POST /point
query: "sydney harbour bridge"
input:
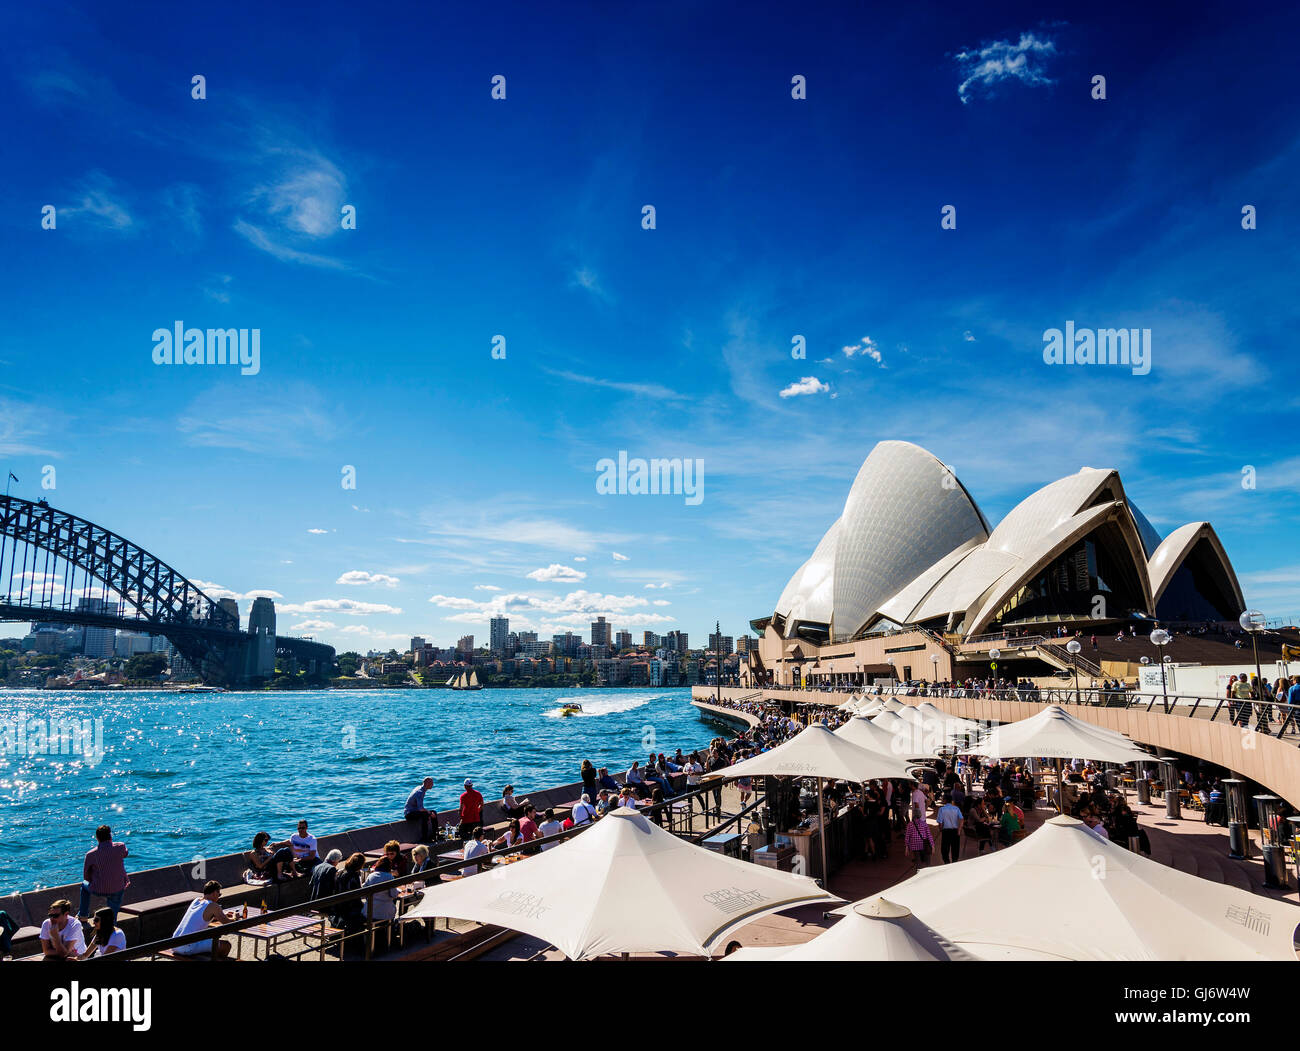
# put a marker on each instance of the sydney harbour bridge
(58, 568)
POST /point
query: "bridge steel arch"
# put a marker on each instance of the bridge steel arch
(164, 601)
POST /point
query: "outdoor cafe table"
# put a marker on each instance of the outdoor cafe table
(272, 932)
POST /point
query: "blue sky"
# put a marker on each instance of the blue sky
(775, 217)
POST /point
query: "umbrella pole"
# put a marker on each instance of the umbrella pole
(1060, 788)
(821, 834)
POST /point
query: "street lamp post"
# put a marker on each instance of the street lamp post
(1160, 639)
(934, 660)
(994, 654)
(1074, 647)
(1143, 785)
(1252, 620)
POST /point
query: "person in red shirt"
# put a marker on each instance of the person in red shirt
(471, 810)
(528, 829)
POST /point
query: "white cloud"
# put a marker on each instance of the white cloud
(314, 625)
(807, 385)
(318, 532)
(216, 591)
(580, 558)
(360, 576)
(985, 67)
(866, 346)
(556, 573)
(967, 336)
(661, 602)
(486, 587)
(339, 605)
(643, 390)
(620, 558)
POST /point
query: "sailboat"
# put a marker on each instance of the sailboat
(465, 681)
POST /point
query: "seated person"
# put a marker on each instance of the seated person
(397, 864)
(349, 916)
(383, 905)
(510, 806)
(512, 836)
(605, 781)
(604, 802)
(106, 936)
(266, 865)
(62, 937)
(420, 858)
(475, 846)
(204, 911)
(302, 845)
(324, 877)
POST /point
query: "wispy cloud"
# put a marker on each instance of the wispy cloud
(865, 347)
(987, 66)
(644, 390)
(347, 606)
(98, 203)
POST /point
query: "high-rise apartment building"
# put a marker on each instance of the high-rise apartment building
(623, 640)
(599, 634)
(498, 629)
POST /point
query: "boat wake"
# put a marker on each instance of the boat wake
(597, 706)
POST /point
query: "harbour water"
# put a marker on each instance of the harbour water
(181, 777)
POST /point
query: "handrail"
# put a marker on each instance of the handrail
(430, 876)
(1247, 711)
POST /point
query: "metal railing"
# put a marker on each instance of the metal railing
(1258, 715)
(667, 814)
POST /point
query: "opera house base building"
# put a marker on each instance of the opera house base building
(911, 582)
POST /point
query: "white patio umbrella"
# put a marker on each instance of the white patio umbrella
(1055, 734)
(623, 886)
(863, 732)
(956, 722)
(871, 929)
(817, 752)
(1063, 894)
(893, 703)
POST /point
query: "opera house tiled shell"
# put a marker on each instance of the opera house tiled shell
(912, 548)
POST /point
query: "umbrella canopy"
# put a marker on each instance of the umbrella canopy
(1062, 893)
(865, 734)
(1054, 733)
(958, 724)
(816, 752)
(625, 885)
(872, 929)
(888, 720)
(893, 703)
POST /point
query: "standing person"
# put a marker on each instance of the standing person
(918, 842)
(204, 911)
(920, 800)
(471, 810)
(105, 935)
(62, 937)
(103, 874)
(717, 762)
(950, 818)
(416, 812)
(589, 779)
(694, 772)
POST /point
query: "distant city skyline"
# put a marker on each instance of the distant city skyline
(459, 312)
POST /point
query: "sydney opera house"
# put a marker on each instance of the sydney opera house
(911, 572)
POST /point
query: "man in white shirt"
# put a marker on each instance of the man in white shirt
(950, 820)
(694, 771)
(61, 934)
(550, 827)
(303, 845)
(584, 813)
(473, 848)
(920, 800)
